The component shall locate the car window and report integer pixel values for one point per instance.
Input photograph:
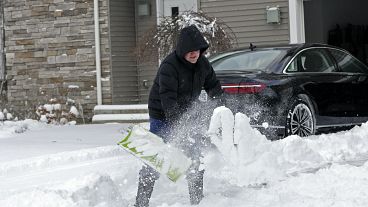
(251, 60)
(311, 60)
(347, 63)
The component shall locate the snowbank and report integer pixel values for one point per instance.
(8, 128)
(83, 167)
(257, 160)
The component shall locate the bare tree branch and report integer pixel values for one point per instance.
(161, 40)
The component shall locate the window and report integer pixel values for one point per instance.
(174, 11)
(245, 61)
(348, 63)
(293, 67)
(311, 60)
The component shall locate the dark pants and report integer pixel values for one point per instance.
(148, 176)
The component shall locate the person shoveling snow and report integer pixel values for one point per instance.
(179, 82)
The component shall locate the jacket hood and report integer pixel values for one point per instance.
(190, 39)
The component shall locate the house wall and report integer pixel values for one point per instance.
(131, 79)
(247, 19)
(50, 48)
(2, 61)
(50, 52)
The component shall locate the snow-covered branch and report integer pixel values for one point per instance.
(161, 40)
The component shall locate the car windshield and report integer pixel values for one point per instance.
(246, 61)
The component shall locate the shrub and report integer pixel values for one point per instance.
(161, 40)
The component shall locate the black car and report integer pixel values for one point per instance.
(300, 89)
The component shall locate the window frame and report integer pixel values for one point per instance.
(324, 52)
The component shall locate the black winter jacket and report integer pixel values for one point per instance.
(178, 83)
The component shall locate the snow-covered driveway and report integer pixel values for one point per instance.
(45, 165)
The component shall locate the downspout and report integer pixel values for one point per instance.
(159, 14)
(98, 53)
(159, 9)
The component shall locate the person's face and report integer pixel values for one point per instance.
(192, 56)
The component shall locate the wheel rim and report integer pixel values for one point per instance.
(301, 121)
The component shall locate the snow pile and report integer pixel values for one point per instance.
(8, 128)
(256, 160)
(48, 161)
(95, 190)
(90, 190)
(65, 166)
(82, 166)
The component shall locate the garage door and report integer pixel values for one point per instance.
(342, 23)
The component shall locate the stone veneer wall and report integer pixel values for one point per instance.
(50, 53)
(2, 63)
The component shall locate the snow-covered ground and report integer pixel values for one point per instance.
(46, 165)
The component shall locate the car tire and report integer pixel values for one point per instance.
(300, 119)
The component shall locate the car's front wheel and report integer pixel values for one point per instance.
(300, 119)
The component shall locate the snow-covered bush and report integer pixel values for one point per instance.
(161, 40)
(55, 112)
(6, 116)
(59, 104)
